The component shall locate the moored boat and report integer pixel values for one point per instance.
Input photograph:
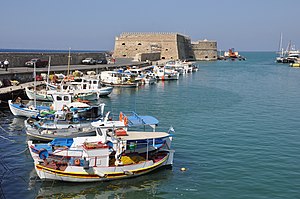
(118, 79)
(165, 73)
(114, 153)
(20, 109)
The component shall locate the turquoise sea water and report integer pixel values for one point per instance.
(237, 133)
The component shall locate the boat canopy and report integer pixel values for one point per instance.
(135, 135)
(138, 120)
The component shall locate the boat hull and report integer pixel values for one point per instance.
(93, 174)
(123, 85)
(41, 97)
(24, 111)
(104, 91)
(47, 135)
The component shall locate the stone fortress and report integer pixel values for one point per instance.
(156, 46)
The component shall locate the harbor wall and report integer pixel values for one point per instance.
(18, 59)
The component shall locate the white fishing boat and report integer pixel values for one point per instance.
(76, 115)
(18, 108)
(46, 95)
(114, 156)
(88, 84)
(39, 94)
(182, 67)
(118, 79)
(165, 73)
(144, 74)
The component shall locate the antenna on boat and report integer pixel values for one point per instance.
(69, 60)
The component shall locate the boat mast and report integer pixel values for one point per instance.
(34, 76)
(48, 72)
(280, 50)
(288, 48)
(69, 60)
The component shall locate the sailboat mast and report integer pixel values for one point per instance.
(280, 46)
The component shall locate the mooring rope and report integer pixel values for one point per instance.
(5, 138)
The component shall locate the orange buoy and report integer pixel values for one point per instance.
(125, 121)
(121, 116)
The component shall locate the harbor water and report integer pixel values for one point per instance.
(236, 133)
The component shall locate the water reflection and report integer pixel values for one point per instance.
(17, 124)
(140, 187)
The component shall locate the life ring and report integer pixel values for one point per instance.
(77, 162)
(121, 116)
(125, 121)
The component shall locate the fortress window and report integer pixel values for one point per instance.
(167, 49)
(124, 55)
(214, 56)
(139, 44)
(136, 49)
(206, 57)
(171, 57)
(163, 58)
(123, 44)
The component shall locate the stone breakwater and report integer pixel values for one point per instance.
(18, 59)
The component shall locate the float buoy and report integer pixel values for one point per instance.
(182, 169)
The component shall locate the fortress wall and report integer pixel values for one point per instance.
(130, 44)
(147, 56)
(170, 45)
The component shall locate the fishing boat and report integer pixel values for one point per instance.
(118, 79)
(165, 73)
(113, 154)
(46, 95)
(19, 108)
(67, 123)
(182, 67)
(144, 75)
(40, 132)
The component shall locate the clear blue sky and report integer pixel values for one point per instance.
(253, 25)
